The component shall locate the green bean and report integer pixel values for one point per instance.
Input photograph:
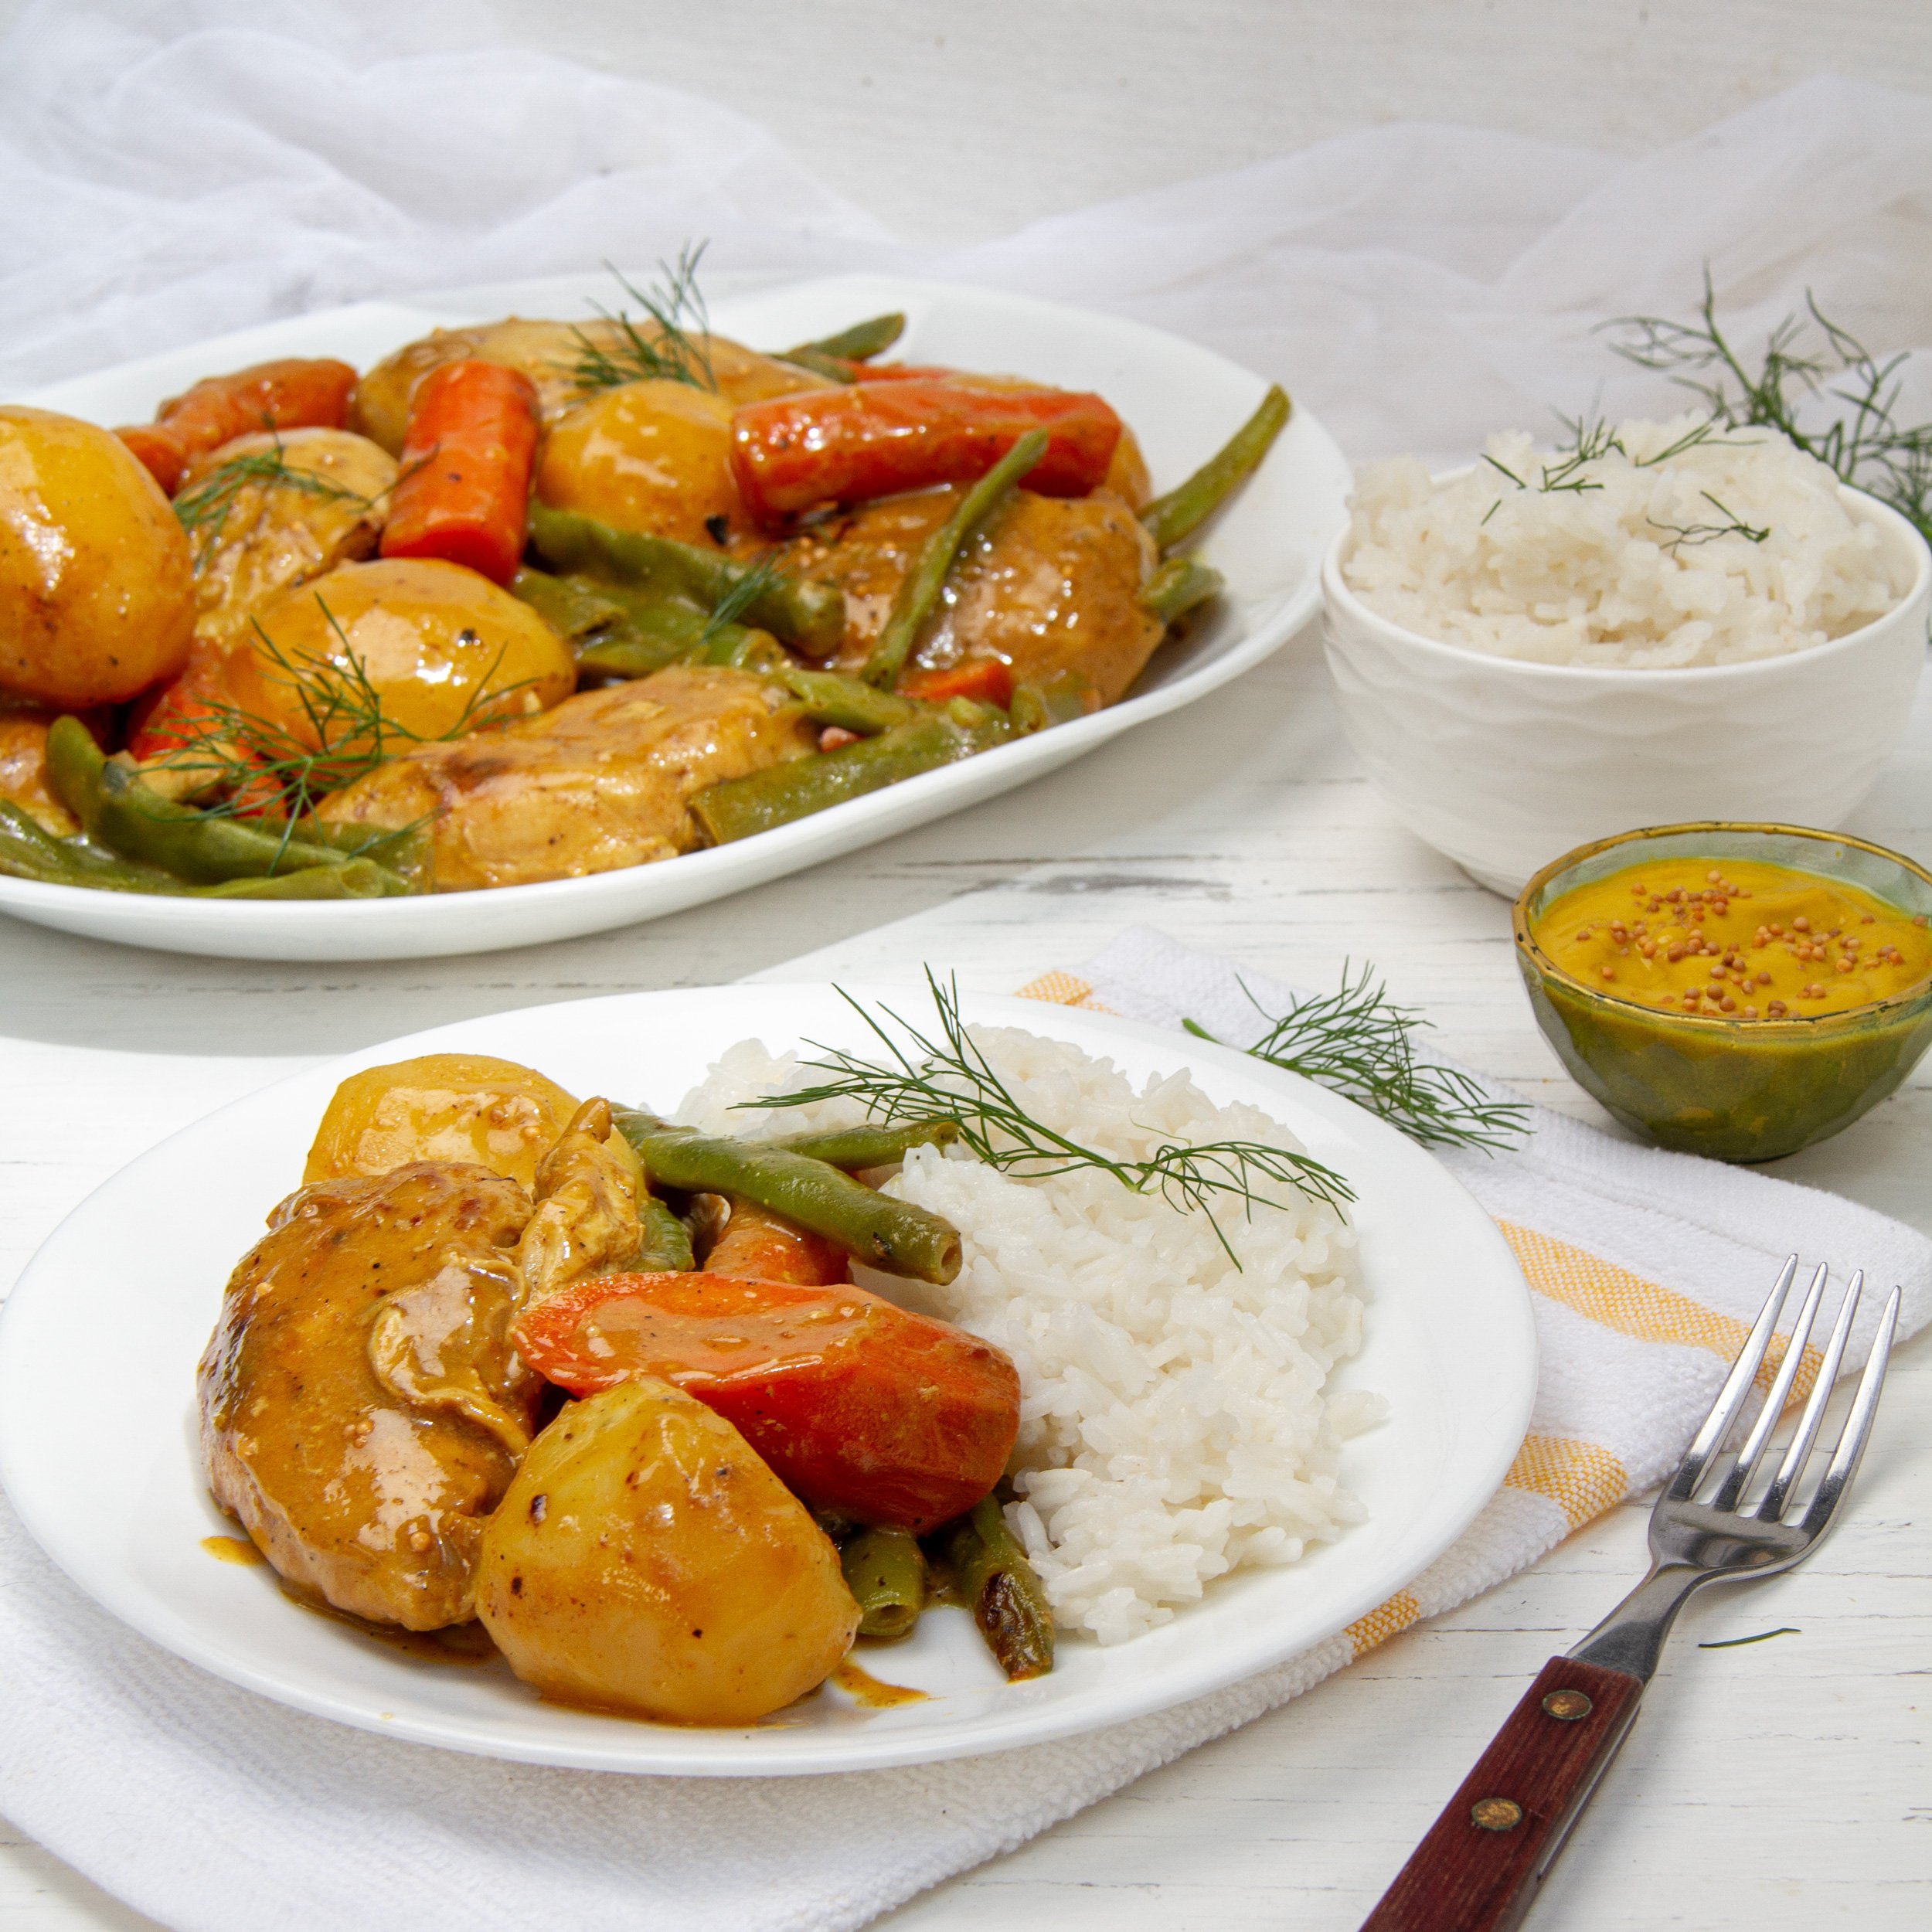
(665, 1244)
(116, 810)
(1002, 1589)
(829, 698)
(856, 1149)
(359, 879)
(732, 644)
(1177, 585)
(1038, 707)
(27, 851)
(859, 343)
(873, 1228)
(1189, 504)
(815, 362)
(736, 808)
(918, 595)
(613, 636)
(808, 615)
(569, 605)
(885, 1572)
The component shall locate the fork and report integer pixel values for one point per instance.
(1478, 1868)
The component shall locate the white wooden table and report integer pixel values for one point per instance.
(1784, 1785)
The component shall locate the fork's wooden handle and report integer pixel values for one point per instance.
(1479, 1866)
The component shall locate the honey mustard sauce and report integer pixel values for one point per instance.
(1746, 940)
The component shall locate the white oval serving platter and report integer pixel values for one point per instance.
(1182, 402)
(126, 1290)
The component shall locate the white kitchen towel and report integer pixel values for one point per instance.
(214, 1810)
(173, 168)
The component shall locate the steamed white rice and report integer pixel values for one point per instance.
(1641, 570)
(1175, 1421)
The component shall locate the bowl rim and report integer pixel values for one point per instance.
(1336, 591)
(1796, 1027)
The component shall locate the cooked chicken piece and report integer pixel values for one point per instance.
(605, 780)
(362, 1410)
(549, 353)
(586, 1221)
(326, 507)
(23, 766)
(1053, 586)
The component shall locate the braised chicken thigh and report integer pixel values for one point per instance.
(1053, 584)
(603, 780)
(362, 1410)
(320, 500)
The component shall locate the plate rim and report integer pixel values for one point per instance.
(663, 1754)
(599, 901)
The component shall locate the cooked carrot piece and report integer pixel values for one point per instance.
(872, 438)
(757, 1245)
(462, 493)
(296, 392)
(181, 711)
(861, 1407)
(986, 680)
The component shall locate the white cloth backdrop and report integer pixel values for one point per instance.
(172, 168)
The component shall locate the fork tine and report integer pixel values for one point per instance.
(1775, 1497)
(1738, 1479)
(1690, 1471)
(1858, 1424)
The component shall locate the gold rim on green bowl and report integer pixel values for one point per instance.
(1721, 1085)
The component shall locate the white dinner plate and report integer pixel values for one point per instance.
(98, 1345)
(1182, 402)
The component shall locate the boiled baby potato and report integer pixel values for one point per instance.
(96, 583)
(441, 648)
(440, 1107)
(547, 352)
(550, 354)
(654, 457)
(645, 1560)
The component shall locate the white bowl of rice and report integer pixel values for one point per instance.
(1676, 625)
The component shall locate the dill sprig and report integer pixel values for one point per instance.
(202, 512)
(262, 764)
(1689, 536)
(922, 1077)
(675, 348)
(1358, 1042)
(1589, 440)
(745, 591)
(1806, 359)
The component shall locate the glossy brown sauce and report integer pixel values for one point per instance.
(457, 1643)
(860, 1684)
(231, 1549)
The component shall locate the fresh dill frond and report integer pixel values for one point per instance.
(675, 346)
(203, 511)
(762, 576)
(262, 765)
(1362, 1045)
(1806, 360)
(922, 1077)
(1687, 536)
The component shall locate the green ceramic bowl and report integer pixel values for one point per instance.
(1735, 1089)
